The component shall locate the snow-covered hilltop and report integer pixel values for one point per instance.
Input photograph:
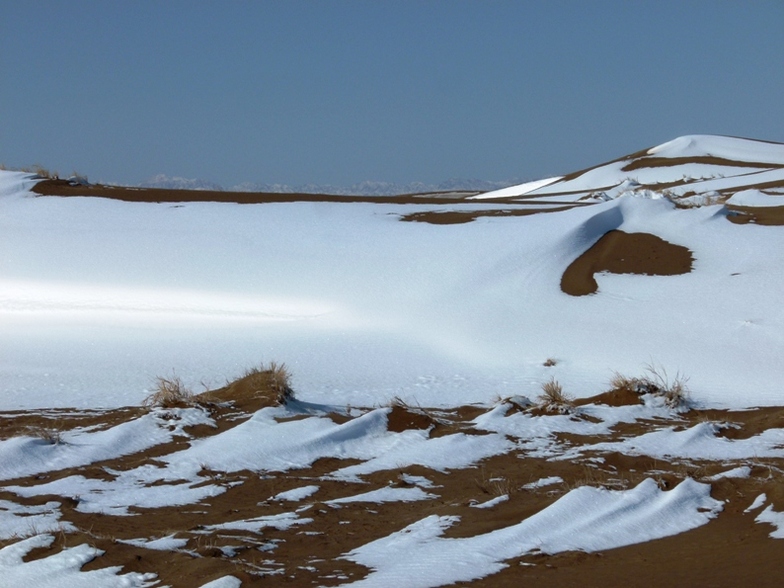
(702, 166)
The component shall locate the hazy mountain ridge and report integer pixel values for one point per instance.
(365, 188)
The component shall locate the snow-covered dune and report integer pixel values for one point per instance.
(694, 164)
(99, 296)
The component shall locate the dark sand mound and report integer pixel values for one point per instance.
(618, 252)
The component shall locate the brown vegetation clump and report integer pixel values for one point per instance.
(656, 382)
(169, 393)
(274, 378)
(553, 399)
(50, 435)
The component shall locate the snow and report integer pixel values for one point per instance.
(542, 482)
(386, 495)
(440, 453)
(264, 444)
(741, 472)
(296, 494)
(420, 481)
(517, 190)
(280, 522)
(98, 297)
(774, 518)
(459, 314)
(168, 543)
(63, 568)
(585, 519)
(758, 502)
(224, 582)
(698, 442)
(25, 456)
(732, 148)
(126, 490)
(748, 162)
(492, 502)
(17, 520)
(755, 198)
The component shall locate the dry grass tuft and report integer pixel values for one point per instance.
(658, 383)
(169, 393)
(552, 399)
(495, 485)
(273, 377)
(44, 173)
(398, 402)
(621, 382)
(49, 434)
(674, 391)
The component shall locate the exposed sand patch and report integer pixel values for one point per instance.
(772, 216)
(618, 252)
(455, 217)
(62, 188)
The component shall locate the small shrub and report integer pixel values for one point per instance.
(50, 435)
(398, 402)
(44, 173)
(553, 399)
(621, 382)
(674, 392)
(169, 393)
(495, 485)
(655, 382)
(275, 377)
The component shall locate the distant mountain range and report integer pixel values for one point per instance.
(367, 188)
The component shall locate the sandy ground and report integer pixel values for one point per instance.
(63, 188)
(623, 253)
(729, 551)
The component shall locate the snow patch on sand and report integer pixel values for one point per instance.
(585, 519)
(774, 518)
(63, 568)
(26, 456)
(17, 520)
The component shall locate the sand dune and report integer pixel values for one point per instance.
(421, 447)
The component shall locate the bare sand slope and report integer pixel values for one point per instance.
(618, 252)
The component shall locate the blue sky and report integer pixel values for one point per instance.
(345, 91)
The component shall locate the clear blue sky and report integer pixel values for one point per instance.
(344, 91)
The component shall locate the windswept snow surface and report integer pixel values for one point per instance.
(585, 519)
(755, 198)
(98, 297)
(17, 520)
(63, 568)
(518, 190)
(25, 456)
